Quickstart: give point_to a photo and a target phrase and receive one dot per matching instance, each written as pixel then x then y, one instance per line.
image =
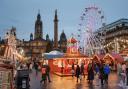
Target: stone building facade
pixel 38 45
pixel 116 37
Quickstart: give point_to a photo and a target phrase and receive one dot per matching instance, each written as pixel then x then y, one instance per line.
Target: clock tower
pixel 38 28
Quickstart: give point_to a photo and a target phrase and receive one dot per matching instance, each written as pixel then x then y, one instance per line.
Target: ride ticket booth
pixel 6 76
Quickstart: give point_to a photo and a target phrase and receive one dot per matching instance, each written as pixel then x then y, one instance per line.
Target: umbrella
pixel 53 54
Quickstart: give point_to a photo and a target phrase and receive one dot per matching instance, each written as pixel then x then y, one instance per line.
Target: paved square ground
pixel 70 83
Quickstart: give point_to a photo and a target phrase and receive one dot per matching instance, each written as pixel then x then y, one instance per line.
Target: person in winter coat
pixel 119 71
pixel 106 72
pixel 90 73
pixel 77 72
pixel 101 75
pixel 82 69
pixel 126 74
pixel 73 70
pixel 123 73
pixel 48 72
pixel 30 67
pixel 97 69
pixel 36 67
pixel 44 75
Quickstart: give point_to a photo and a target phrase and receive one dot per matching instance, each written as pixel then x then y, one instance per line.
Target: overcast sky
pixel 22 14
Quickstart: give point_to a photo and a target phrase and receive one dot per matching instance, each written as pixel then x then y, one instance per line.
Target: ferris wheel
pixel 91 36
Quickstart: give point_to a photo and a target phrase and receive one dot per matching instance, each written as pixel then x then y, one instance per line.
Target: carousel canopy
pixel 77 55
pixel 53 54
pixel 72 40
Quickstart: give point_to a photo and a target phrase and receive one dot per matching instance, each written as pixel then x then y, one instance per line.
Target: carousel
pixel 63 65
pixel 8 61
pixel 12 53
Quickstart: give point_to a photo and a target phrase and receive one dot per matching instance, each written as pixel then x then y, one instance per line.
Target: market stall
pixel 112 59
pixel 124 52
pixel 98 57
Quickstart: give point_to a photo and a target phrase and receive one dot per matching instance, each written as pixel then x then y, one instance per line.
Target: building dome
pixel 63 37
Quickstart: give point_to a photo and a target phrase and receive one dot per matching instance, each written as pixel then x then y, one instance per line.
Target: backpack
pixel 43 70
pixel 106 70
pixel 96 69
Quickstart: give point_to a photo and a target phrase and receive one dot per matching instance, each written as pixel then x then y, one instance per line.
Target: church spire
pixel 56 30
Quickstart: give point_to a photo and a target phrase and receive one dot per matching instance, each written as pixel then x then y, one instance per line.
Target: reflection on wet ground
pixel 70 83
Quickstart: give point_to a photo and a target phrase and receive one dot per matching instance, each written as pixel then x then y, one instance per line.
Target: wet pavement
pixel 70 83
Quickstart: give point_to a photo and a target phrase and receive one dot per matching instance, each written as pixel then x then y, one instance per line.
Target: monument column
pixel 56 30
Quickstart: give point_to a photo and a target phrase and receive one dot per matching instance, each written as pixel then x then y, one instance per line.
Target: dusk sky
pixel 22 14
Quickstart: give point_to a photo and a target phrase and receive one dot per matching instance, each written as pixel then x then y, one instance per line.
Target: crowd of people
pixel 99 70
pixel 44 68
pixel 32 66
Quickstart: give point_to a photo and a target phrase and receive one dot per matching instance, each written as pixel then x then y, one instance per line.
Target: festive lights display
pixel 10 50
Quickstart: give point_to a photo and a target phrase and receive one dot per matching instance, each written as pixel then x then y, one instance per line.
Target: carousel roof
pixel 77 55
pixel 72 40
pixel 53 54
